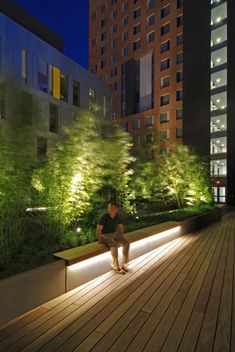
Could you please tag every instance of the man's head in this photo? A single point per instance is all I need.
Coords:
(112, 209)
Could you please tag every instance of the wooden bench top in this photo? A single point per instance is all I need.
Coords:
(78, 254)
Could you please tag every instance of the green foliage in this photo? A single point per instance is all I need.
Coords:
(183, 178)
(91, 162)
(17, 160)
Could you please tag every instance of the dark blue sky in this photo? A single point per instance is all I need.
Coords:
(69, 19)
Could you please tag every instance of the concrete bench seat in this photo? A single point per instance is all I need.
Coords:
(87, 251)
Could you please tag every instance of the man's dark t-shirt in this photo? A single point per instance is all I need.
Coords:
(109, 224)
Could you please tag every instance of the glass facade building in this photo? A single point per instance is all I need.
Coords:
(46, 73)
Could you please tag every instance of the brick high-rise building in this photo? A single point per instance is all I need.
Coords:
(136, 47)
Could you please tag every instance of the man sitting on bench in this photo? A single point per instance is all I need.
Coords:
(110, 233)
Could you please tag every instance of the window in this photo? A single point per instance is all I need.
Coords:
(114, 28)
(165, 11)
(164, 117)
(136, 45)
(179, 132)
(125, 36)
(125, 51)
(41, 147)
(125, 21)
(136, 139)
(149, 138)
(103, 77)
(124, 127)
(53, 118)
(179, 76)
(179, 114)
(113, 58)
(91, 98)
(24, 59)
(113, 2)
(114, 43)
(150, 121)
(125, 6)
(103, 63)
(150, 37)
(164, 135)
(2, 101)
(179, 21)
(165, 64)
(114, 14)
(179, 3)
(103, 36)
(93, 42)
(179, 58)
(103, 22)
(76, 93)
(150, 4)
(179, 95)
(137, 13)
(179, 39)
(43, 76)
(150, 20)
(113, 86)
(165, 29)
(63, 86)
(165, 46)
(135, 124)
(103, 8)
(165, 82)
(113, 72)
(164, 99)
(137, 29)
(93, 16)
(103, 50)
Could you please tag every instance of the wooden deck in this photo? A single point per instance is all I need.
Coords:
(179, 297)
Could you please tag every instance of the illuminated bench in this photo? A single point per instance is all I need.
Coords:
(141, 236)
(89, 261)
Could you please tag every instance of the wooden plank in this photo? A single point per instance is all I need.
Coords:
(192, 332)
(189, 340)
(166, 304)
(181, 308)
(11, 326)
(116, 297)
(224, 323)
(112, 307)
(233, 308)
(207, 333)
(160, 288)
(89, 342)
(129, 332)
(72, 312)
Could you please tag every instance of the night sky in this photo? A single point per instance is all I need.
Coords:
(69, 19)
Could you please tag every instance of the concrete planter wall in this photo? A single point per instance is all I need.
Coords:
(25, 291)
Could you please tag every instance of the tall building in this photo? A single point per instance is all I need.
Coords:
(209, 89)
(33, 55)
(136, 47)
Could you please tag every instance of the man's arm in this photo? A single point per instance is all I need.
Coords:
(99, 233)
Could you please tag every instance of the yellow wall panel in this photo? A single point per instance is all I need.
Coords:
(56, 82)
